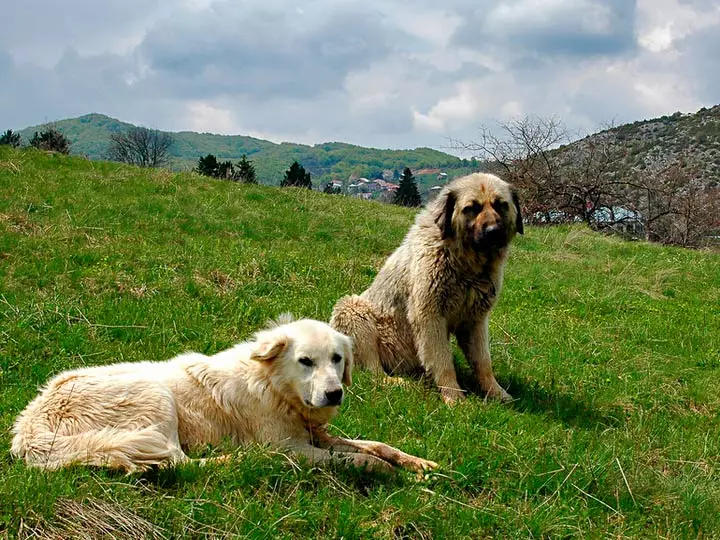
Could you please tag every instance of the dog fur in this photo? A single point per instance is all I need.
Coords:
(445, 278)
(280, 388)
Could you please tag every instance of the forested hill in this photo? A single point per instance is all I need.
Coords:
(90, 134)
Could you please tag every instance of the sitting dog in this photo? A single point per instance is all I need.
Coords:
(280, 388)
(444, 279)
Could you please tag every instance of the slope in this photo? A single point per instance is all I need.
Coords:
(610, 348)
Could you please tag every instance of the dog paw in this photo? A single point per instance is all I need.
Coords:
(451, 396)
(498, 392)
(424, 465)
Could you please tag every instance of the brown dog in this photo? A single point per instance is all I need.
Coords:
(445, 278)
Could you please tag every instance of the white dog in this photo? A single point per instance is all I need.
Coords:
(280, 388)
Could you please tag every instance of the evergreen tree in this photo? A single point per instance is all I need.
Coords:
(208, 166)
(245, 171)
(51, 139)
(13, 139)
(296, 176)
(407, 192)
(225, 170)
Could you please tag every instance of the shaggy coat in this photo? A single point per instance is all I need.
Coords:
(281, 388)
(443, 279)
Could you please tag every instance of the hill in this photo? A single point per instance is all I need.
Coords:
(657, 179)
(90, 134)
(692, 141)
(611, 349)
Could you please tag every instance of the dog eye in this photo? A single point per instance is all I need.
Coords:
(305, 361)
(501, 206)
(472, 209)
(336, 358)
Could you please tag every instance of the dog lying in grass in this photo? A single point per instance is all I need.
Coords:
(280, 388)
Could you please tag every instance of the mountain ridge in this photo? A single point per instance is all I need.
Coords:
(90, 136)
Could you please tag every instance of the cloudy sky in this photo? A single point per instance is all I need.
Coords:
(390, 73)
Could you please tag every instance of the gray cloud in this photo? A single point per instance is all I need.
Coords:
(704, 71)
(385, 73)
(232, 49)
(579, 28)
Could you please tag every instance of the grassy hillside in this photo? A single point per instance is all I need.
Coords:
(90, 135)
(612, 350)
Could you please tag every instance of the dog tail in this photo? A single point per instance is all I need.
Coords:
(351, 314)
(283, 318)
(131, 450)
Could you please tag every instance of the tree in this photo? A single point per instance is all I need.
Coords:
(10, 138)
(141, 146)
(245, 171)
(520, 150)
(407, 192)
(208, 166)
(592, 180)
(297, 177)
(557, 182)
(51, 139)
(587, 184)
(225, 170)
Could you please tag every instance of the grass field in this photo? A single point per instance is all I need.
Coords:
(611, 348)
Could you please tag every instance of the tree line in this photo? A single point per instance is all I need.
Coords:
(145, 147)
(49, 139)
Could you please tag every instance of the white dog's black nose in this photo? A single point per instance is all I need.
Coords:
(334, 397)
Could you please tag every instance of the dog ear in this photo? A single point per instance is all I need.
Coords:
(349, 362)
(269, 345)
(444, 216)
(518, 221)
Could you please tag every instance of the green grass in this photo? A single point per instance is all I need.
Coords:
(611, 348)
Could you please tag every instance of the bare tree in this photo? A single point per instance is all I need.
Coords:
(696, 216)
(521, 150)
(558, 181)
(652, 193)
(588, 182)
(591, 181)
(141, 146)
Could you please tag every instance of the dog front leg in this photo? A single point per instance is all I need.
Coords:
(382, 451)
(433, 347)
(474, 340)
(322, 455)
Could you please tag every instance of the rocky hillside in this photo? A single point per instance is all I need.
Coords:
(689, 141)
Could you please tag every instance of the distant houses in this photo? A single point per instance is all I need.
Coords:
(366, 188)
(384, 188)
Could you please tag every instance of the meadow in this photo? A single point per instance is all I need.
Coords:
(611, 349)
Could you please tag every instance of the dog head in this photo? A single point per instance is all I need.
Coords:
(481, 210)
(309, 359)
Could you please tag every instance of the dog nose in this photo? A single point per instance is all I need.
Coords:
(493, 233)
(334, 397)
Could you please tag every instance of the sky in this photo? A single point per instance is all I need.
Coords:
(390, 74)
